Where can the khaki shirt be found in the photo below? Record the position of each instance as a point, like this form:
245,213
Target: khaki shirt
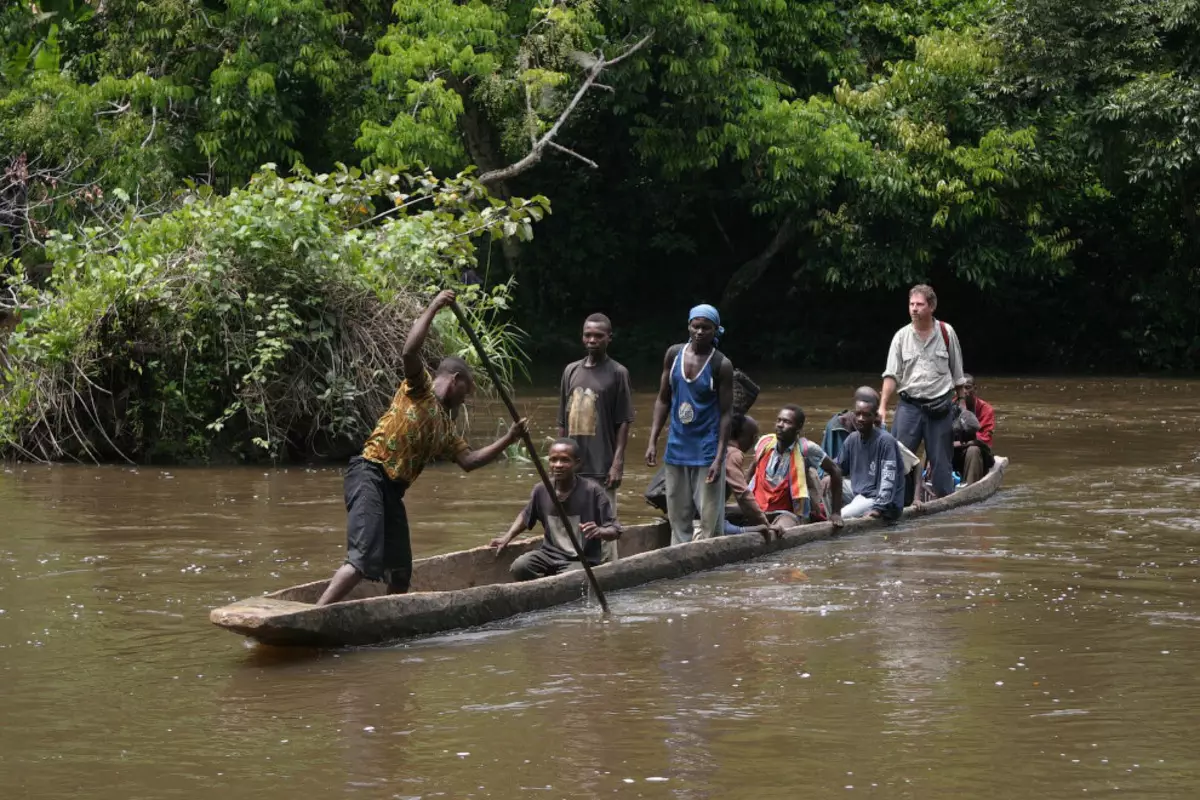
925,369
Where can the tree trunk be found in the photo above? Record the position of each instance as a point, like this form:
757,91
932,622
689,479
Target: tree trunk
481,147
748,274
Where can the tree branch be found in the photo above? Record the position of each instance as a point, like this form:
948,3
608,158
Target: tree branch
547,139
584,159
153,125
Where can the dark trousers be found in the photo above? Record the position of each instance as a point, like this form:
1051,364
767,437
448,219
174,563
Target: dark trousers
377,543
538,564
912,426
973,461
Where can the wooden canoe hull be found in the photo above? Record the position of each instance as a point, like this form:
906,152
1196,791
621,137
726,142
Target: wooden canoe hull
474,586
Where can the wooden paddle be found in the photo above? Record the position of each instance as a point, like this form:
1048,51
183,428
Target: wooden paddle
533,453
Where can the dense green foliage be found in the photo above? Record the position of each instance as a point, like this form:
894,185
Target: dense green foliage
1037,161
267,321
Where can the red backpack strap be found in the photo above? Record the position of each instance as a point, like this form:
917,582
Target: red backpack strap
945,336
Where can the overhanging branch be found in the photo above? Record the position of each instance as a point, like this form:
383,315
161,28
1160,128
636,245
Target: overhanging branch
539,146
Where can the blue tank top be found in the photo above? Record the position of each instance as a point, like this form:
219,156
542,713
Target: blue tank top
694,431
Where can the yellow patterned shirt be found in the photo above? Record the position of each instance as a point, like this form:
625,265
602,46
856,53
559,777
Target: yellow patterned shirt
415,430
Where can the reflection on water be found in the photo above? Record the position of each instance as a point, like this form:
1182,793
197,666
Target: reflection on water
1042,644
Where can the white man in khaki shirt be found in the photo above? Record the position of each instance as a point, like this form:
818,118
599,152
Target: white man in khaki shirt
924,366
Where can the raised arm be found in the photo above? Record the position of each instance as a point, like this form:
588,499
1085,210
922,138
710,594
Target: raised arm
725,402
662,404
410,356
474,459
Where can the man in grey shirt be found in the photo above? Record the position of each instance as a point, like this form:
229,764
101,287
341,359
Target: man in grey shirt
924,366
595,408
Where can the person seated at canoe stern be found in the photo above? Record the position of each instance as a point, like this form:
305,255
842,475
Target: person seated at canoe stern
743,433
973,456
785,463
588,509
871,458
417,428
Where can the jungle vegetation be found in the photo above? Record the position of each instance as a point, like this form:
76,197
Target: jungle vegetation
217,217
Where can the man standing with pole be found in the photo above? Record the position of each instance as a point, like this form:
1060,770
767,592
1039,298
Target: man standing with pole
417,428
924,366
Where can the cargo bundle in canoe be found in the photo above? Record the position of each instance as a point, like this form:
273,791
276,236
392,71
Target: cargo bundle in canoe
473,587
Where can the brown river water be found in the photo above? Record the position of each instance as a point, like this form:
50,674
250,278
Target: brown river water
1043,644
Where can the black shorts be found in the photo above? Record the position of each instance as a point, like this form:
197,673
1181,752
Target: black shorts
377,543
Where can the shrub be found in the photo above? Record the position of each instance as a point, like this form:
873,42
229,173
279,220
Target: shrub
266,323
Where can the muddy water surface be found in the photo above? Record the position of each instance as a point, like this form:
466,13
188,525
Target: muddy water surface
1044,644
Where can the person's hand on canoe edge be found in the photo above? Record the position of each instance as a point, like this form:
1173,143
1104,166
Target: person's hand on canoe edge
772,530
835,519
498,544
517,430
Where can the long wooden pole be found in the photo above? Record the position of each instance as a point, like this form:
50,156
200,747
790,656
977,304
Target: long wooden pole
533,453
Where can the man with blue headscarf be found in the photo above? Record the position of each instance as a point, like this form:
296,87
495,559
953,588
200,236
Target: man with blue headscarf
695,400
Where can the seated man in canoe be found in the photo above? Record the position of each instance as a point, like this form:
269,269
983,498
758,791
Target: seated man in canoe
417,428
743,434
785,463
973,442
872,460
588,509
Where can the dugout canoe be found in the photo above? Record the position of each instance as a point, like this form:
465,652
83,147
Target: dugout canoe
473,587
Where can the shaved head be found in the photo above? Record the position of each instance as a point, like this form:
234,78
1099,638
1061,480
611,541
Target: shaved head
865,394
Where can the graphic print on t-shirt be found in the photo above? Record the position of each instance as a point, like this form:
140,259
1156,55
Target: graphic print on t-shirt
581,412
558,534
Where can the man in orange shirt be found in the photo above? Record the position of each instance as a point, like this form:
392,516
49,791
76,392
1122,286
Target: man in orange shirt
416,429
779,476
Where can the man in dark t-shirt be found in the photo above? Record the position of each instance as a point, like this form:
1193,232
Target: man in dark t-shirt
588,509
595,408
